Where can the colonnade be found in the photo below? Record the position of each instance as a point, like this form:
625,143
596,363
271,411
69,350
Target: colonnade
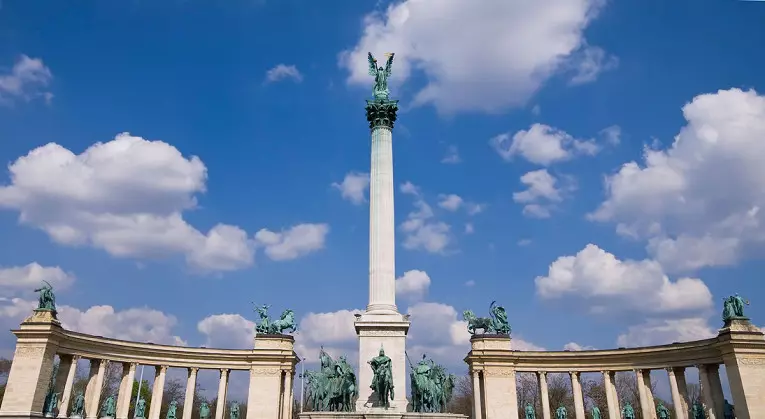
271,367
739,346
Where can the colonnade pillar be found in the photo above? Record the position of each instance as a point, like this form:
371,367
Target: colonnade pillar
544,395
612,399
678,398
477,402
220,406
94,387
67,370
188,399
126,389
576,388
157,391
707,391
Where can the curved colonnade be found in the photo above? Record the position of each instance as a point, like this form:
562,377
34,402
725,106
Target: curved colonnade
739,346
40,338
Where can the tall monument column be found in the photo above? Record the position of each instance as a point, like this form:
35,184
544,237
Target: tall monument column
381,326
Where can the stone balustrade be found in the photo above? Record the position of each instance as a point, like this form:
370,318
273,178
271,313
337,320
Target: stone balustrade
739,346
40,338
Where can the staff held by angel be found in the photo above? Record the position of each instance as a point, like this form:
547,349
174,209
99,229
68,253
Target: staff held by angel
381,75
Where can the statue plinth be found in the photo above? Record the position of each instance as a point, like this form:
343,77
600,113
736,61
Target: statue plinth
491,341
274,341
42,316
739,324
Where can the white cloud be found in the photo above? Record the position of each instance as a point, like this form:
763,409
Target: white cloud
612,134
354,187
606,282
699,202
536,110
296,241
413,284
283,72
135,324
421,231
452,155
542,144
592,61
661,332
26,80
450,202
542,193
487,65
573,346
227,331
31,276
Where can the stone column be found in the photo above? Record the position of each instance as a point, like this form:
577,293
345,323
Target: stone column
682,387
94,387
677,399
126,389
649,394
477,396
644,406
713,372
500,394
544,396
27,384
576,388
707,392
157,391
287,403
263,397
64,381
610,390
220,408
188,399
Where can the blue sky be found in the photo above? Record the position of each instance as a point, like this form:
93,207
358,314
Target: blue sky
551,98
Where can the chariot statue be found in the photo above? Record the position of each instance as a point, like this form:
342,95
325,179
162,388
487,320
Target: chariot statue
496,323
274,327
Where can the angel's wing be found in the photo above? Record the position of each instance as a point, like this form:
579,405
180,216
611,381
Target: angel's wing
372,64
389,64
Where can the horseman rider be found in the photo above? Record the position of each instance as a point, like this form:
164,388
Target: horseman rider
381,365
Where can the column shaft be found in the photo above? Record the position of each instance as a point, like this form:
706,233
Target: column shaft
576,388
713,372
67,370
94,388
382,279
682,387
287,405
707,392
677,399
608,387
544,396
126,389
477,405
644,407
157,391
188,399
649,394
220,407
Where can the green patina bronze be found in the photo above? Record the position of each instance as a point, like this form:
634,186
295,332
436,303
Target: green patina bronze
140,409
47,299
108,408
381,74
561,413
381,111
529,412
172,410
431,386
728,411
51,397
496,323
78,407
733,308
627,411
233,411
662,412
697,411
382,381
204,410
275,327
595,412
333,388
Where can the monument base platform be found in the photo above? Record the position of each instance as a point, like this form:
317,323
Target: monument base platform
379,414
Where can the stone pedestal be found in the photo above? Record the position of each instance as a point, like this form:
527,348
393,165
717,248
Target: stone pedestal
378,415
496,387
743,349
270,392
386,331
32,367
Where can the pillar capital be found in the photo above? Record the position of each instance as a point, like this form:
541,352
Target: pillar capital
574,373
193,370
542,373
381,113
161,368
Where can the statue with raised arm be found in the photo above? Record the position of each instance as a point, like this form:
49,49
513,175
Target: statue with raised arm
172,410
662,412
595,412
529,412
496,323
233,411
728,411
381,74
140,409
274,327
78,406
108,407
382,381
46,299
560,412
204,410
627,411
733,308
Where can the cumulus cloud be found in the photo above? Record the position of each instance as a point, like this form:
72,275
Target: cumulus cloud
294,242
421,230
607,283
573,346
541,194
488,64
354,187
227,331
283,72
543,145
590,63
26,278
612,135
665,331
413,284
699,202
26,80
454,202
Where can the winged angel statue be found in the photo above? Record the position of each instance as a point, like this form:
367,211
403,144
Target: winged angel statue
381,75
